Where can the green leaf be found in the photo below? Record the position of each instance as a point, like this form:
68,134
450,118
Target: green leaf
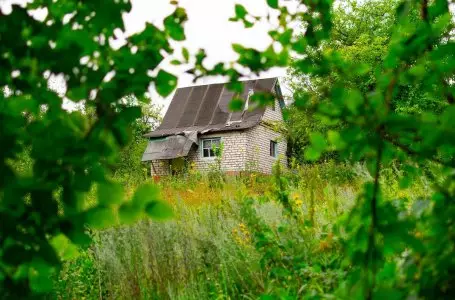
145,194
174,24
100,217
354,101
238,48
110,193
312,154
235,86
335,139
159,210
165,83
186,54
318,141
240,11
129,213
273,3
236,104
40,276
63,246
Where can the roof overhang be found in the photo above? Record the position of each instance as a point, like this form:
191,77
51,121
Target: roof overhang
170,147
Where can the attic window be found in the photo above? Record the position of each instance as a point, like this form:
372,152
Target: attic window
273,105
209,145
250,93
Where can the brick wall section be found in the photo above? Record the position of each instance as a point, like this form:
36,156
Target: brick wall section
234,154
273,115
259,158
159,167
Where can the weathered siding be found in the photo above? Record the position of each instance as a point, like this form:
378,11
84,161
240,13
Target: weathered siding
259,158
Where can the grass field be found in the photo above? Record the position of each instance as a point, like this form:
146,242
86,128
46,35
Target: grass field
252,235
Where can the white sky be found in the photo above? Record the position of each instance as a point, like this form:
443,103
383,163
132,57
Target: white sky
208,27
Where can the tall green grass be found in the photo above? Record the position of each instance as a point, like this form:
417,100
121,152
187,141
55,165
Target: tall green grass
236,241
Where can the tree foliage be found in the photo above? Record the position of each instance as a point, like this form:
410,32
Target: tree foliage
362,33
70,153
395,104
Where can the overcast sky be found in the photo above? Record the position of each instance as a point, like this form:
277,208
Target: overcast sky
208,27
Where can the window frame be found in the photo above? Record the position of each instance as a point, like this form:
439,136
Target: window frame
273,146
210,151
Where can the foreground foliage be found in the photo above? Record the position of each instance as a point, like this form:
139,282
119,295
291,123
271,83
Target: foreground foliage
389,256
386,245
41,207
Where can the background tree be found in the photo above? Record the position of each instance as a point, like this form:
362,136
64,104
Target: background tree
362,32
130,169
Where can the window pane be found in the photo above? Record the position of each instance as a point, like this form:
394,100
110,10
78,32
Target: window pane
216,142
273,148
208,145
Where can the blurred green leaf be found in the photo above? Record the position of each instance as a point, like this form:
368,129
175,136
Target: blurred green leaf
165,83
236,104
240,11
110,193
63,246
145,194
100,217
159,210
312,154
129,213
273,3
318,141
40,276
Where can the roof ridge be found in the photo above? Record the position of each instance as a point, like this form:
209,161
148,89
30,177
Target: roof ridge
225,82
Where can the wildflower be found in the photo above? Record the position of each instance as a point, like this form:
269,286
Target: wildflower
294,196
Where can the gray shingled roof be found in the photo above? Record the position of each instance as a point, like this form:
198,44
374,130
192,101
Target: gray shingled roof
204,108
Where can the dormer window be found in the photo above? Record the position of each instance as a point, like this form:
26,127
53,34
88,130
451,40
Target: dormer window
250,93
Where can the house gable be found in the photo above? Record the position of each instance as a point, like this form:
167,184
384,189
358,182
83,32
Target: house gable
273,113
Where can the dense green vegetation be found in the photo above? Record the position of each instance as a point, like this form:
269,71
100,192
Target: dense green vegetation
366,211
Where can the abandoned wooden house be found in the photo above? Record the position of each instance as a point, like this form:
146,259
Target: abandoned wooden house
198,120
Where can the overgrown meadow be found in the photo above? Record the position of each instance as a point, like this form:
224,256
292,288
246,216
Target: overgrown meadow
248,236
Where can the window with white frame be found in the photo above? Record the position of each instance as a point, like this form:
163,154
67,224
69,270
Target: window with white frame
209,145
273,148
